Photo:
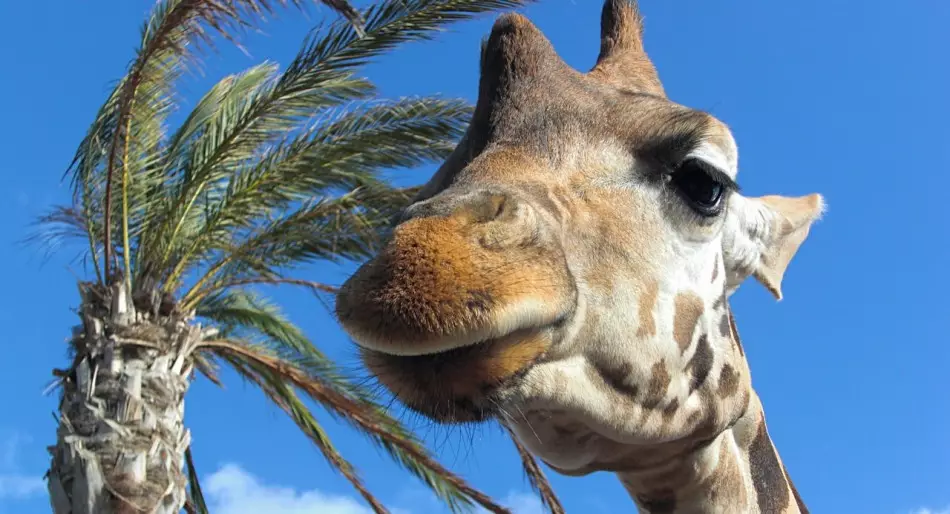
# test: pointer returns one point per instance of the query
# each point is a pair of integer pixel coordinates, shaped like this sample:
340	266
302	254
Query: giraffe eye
700	185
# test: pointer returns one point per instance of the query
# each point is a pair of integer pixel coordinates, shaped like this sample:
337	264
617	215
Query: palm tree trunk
121	439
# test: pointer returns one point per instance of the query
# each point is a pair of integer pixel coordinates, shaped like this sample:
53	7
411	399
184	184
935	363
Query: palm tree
270	170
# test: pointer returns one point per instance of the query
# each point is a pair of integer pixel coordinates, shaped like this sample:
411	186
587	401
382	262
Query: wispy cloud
926	510
233	490
18	487
14	484
524	503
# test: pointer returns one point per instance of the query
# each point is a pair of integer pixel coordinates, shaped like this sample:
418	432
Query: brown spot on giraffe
648	299
771	489
617	378
670	410
693	417
724	330
720	301
708	426
727	481
688	309
657	386
700	364
728	381
745	400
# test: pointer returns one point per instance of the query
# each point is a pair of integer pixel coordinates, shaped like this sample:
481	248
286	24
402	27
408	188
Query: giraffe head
567	269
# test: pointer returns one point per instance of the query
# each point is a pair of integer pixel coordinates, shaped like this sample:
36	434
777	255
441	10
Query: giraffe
567	271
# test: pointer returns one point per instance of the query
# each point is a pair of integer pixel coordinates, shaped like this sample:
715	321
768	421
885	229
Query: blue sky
849	99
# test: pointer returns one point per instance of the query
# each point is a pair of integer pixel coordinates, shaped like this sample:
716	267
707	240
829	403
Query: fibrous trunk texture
121	440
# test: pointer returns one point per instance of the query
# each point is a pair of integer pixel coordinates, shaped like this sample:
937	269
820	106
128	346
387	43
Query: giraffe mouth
444	319
460	384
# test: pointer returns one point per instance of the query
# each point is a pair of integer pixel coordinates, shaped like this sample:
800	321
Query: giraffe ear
762	235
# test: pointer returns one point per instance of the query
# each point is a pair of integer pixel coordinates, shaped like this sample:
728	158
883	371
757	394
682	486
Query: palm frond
382	134
366	417
241	313
347	227
60	223
206	365
256	109
196	500
315	287
350	13
389	24
536	477
287	399
129	126
341	153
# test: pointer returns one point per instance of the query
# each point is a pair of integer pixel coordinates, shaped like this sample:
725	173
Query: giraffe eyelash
715	174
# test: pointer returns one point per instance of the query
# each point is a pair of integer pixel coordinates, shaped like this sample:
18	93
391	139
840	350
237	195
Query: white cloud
15	485
524	503
925	510
18	487
10	448
233	490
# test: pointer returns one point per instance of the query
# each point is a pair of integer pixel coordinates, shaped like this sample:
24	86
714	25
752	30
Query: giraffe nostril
492	207
500	203
478	207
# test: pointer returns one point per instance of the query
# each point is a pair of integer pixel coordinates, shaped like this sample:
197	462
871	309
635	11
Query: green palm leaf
257	109
389	23
124	138
241	313
339	154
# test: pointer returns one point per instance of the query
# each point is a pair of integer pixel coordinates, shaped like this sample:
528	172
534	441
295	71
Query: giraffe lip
405	319
459	384
408	344
464	380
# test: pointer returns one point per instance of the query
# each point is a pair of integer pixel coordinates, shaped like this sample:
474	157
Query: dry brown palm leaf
285	398
536	477
357	413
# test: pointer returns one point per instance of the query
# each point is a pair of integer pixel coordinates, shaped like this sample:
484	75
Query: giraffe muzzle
460	301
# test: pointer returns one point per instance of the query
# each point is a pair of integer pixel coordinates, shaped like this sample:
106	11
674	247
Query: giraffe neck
739	471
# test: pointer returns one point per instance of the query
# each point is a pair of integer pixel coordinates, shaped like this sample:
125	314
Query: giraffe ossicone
567	271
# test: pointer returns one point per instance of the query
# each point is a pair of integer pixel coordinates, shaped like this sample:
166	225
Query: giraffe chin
458	385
